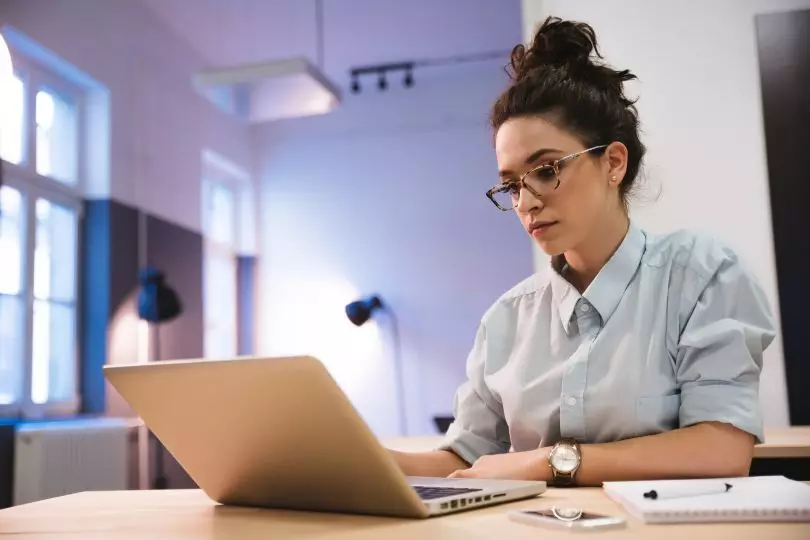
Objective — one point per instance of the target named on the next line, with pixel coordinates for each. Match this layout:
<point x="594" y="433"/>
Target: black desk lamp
<point x="359" y="312"/>
<point x="157" y="303"/>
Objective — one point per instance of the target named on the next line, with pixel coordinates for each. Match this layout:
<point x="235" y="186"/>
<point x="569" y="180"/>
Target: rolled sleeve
<point x="719" y="358"/>
<point x="479" y="427"/>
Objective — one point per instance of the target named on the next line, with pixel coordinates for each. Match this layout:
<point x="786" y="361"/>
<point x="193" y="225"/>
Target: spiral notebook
<point x="763" y="498"/>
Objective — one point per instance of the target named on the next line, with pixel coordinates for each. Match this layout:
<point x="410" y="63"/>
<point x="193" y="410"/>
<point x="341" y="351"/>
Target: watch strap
<point x="562" y="479"/>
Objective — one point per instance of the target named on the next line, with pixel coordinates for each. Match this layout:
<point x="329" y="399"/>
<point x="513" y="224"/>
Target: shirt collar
<point x="562" y="292"/>
<point x="608" y="287"/>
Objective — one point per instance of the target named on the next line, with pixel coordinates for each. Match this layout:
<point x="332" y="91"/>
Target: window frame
<point x="33" y="186"/>
<point x="218" y="171"/>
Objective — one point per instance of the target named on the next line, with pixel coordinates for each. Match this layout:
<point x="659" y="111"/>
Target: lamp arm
<point x="398" y="370"/>
<point x="160" y="481"/>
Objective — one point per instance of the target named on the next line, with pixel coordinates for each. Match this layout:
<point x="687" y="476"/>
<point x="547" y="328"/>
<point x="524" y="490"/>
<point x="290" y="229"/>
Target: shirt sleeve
<point x="719" y="358"/>
<point x="479" y="427"/>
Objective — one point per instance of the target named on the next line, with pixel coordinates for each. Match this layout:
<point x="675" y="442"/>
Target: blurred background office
<point x="276" y="160"/>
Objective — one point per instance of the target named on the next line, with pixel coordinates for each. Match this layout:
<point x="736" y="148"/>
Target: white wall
<point x="159" y="125"/>
<point x="700" y="106"/>
<point x="387" y="195"/>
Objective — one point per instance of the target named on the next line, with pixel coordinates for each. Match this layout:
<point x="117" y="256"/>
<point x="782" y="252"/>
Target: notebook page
<point x="765" y="498"/>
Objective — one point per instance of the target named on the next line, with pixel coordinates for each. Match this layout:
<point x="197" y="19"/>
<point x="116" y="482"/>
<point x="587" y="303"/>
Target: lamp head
<point x="360" y="311"/>
<point x="157" y="301"/>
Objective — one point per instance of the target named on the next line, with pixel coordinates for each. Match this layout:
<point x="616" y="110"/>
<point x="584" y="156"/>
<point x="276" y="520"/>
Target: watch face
<point x="567" y="514"/>
<point x="565" y="459"/>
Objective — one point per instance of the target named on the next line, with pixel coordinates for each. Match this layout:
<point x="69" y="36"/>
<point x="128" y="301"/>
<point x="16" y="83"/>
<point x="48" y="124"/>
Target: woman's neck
<point x="587" y="259"/>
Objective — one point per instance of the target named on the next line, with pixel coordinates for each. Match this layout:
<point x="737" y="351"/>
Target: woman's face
<point x="588" y="193"/>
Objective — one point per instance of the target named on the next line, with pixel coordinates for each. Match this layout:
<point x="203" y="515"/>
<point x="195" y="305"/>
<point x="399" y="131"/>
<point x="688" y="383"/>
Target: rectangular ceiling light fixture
<point x="267" y="91"/>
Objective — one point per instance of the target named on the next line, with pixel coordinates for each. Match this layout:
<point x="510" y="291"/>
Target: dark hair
<point x="556" y="77"/>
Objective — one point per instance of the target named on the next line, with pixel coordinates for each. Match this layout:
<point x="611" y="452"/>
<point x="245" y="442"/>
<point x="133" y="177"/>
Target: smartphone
<point x="567" y="518"/>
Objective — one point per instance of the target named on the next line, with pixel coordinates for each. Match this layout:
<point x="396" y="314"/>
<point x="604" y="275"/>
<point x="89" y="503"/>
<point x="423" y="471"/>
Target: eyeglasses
<point x="539" y="181"/>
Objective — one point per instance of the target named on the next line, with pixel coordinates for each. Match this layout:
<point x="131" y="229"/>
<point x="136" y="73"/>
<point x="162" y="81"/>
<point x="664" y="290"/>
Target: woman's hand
<point x="529" y="465"/>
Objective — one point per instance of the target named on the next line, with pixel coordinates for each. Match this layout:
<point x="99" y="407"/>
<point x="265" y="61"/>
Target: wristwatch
<point x="564" y="459"/>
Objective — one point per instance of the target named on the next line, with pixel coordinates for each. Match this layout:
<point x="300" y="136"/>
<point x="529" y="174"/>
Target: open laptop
<point x="279" y="433"/>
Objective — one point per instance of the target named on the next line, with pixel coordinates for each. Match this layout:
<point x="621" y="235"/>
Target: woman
<point x="635" y="356"/>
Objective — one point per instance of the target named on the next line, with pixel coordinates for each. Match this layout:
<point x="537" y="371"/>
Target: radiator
<point x="60" y="458"/>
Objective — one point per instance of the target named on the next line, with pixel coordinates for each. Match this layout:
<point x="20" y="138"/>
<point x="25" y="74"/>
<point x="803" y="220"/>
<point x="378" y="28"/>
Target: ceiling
<point x="355" y="32"/>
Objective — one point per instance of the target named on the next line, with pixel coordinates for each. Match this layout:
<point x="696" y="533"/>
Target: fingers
<point x="461" y="473"/>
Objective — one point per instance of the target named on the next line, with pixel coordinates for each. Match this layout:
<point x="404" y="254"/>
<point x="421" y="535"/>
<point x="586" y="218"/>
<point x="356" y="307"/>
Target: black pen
<point x="687" y="489"/>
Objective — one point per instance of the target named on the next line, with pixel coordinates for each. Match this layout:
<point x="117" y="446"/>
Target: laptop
<point x="279" y="433"/>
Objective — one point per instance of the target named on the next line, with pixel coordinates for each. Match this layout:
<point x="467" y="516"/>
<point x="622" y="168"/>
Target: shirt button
<point x="571" y="401"/>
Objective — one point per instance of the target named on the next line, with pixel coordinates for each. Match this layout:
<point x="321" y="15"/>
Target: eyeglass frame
<point x="522" y="180"/>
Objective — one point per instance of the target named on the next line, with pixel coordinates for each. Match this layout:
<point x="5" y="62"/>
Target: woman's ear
<point x="616" y="156"/>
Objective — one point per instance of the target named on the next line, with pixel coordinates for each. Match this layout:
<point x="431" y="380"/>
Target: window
<point x="12" y="123"/>
<point x="39" y="227"/>
<point x="56" y="137"/>
<point x="219" y="271"/>
<point x="53" y="374"/>
<point x="226" y="188"/>
<point x="11" y="298"/>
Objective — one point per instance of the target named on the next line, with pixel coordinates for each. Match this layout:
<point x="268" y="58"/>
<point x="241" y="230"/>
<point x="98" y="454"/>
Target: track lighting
<point x="382" y="71"/>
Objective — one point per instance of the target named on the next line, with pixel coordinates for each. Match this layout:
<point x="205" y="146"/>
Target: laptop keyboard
<point x="431" y="492"/>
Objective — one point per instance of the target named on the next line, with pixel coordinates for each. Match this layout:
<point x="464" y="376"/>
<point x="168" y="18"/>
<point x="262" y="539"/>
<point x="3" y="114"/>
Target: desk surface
<point x="181" y="515"/>
<point x="786" y="442"/>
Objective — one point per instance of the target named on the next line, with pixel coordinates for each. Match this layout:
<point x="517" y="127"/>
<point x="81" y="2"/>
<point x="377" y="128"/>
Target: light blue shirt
<point x="669" y="334"/>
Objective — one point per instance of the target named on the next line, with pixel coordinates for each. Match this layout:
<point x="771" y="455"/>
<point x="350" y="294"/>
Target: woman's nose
<point x="528" y="201"/>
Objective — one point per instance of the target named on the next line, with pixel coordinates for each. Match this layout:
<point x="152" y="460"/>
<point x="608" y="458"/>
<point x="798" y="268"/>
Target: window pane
<point x="220" y="343"/>
<point x="12" y="118"/>
<point x="11" y="240"/>
<point x="220" y="305"/>
<point x="53" y="371"/>
<point x="223" y="215"/>
<point x="55" y="252"/>
<point x="11" y="352"/>
<point x="56" y="137"/>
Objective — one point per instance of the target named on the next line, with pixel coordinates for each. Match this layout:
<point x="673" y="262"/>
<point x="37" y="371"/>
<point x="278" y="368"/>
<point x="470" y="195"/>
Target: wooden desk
<point x="783" y="443"/>
<point x="780" y="443"/>
<point x="190" y="515"/>
<point x="419" y="443"/>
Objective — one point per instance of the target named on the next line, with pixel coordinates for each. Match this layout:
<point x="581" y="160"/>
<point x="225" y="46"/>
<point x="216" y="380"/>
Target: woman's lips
<point x="539" y="228"/>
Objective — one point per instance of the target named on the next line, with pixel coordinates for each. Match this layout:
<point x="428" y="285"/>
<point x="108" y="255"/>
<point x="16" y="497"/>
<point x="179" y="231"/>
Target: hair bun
<point x="556" y="43"/>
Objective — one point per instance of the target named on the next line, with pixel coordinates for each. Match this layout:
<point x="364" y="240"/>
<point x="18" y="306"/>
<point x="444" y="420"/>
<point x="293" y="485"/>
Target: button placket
<point x="572" y="410"/>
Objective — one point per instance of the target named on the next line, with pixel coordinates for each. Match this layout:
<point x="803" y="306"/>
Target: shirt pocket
<point x="656" y="414"/>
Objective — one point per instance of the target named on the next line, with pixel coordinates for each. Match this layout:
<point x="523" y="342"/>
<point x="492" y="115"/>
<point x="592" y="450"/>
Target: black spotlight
<point x="408" y="80"/>
<point x="355" y="86"/>
<point x="360" y="311"/>
<point x="382" y="84"/>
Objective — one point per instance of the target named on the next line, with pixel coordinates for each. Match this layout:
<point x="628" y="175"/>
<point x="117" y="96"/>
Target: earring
<point x="613" y="178"/>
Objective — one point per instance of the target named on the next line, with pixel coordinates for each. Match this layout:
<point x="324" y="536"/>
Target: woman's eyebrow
<point x="534" y="156"/>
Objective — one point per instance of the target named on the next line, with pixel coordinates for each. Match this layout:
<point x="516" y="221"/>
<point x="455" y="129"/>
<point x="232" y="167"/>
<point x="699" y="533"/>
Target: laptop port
<point x="487" y="497"/>
<point x="463" y="502"/>
<point x="453" y="504"/>
<point x="445" y="506"/>
<point x="478" y="499"/>
<point x="499" y="495"/>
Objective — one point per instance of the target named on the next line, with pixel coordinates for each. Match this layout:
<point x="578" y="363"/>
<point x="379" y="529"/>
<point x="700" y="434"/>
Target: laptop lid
<point x="269" y="432"/>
